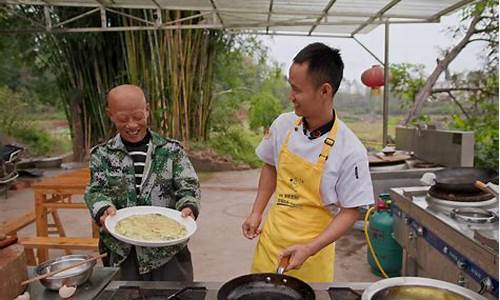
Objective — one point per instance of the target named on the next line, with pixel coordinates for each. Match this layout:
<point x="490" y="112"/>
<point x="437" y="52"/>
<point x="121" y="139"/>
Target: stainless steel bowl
<point x="74" y="276"/>
<point x="417" y="288"/>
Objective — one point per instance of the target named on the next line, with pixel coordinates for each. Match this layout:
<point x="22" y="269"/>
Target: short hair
<point x="324" y="64"/>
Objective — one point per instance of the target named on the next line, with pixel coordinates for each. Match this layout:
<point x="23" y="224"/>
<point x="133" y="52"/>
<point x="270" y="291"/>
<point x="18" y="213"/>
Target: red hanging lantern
<point x="374" y="79"/>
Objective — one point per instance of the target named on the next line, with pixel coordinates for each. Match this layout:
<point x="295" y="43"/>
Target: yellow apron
<point x="298" y="215"/>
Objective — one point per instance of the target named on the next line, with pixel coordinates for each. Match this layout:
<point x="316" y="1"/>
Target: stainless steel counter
<point x="437" y="246"/>
<point x="89" y="290"/>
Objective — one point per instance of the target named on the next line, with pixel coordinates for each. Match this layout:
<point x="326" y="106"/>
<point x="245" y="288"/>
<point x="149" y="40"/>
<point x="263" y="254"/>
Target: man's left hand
<point x="187" y="212"/>
<point x="298" y="255"/>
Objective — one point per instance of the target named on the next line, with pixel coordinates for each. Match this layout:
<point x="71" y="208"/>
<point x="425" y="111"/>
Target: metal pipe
<point x="385" y="120"/>
<point x="76" y="17"/>
<point x="104" y="21"/>
<point x="367" y="50"/>
<point x="379" y="14"/>
<point x="269" y="15"/>
<point x="323" y="15"/>
<point x="48" y="20"/>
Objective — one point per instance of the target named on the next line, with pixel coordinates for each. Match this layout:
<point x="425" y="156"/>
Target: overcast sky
<point x="410" y="43"/>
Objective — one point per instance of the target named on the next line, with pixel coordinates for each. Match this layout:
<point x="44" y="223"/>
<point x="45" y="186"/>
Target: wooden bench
<point x="65" y="243"/>
<point x="12" y="226"/>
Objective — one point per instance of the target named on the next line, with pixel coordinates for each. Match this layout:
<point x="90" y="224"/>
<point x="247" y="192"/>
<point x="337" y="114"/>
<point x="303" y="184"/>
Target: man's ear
<point x="327" y="90"/>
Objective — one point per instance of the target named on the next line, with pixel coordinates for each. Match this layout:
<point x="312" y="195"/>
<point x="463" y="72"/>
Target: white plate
<point x="143" y="210"/>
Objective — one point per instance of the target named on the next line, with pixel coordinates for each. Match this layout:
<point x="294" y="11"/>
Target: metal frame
<point x="216" y="17"/>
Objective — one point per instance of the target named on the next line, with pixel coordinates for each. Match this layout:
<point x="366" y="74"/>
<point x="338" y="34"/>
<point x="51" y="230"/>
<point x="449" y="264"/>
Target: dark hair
<point x="324" y="64"/>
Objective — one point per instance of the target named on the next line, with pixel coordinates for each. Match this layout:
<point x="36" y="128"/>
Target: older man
<point x="139" y="167"/>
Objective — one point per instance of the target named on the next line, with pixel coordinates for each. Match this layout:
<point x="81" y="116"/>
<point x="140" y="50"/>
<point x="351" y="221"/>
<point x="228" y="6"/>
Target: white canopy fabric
<point x="336" y="18"/>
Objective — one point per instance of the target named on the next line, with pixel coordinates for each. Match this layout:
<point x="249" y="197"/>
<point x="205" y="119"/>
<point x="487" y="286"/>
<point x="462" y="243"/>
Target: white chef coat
<point x="346" y="180"/>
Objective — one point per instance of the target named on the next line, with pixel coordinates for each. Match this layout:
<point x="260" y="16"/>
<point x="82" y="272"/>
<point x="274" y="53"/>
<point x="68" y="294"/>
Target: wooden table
<point x="55" y="193"/>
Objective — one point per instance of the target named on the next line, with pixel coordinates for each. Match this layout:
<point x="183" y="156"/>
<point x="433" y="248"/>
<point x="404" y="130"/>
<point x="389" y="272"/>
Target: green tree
<point x="247" y="93"/>
<point x="175" y="67"/>
<point x="406" y="82"/>
<point x="23" y="68"/>
<point x="478" y="102"/>
<point x="473" y="94"/>
<point x="241" y="73"/>
<point x="264" y="108"/>
<point x="480" y="24"/>
<point x="15" y="123"/>
<point x="472" y="100"/>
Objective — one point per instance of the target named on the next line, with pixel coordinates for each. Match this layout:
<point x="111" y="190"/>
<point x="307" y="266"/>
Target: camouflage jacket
<point x="169" y="180"/>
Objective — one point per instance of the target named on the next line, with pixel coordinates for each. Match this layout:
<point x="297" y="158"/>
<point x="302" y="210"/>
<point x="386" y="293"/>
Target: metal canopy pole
<point x="385" y="120"/>
<point x="368" y="50"/>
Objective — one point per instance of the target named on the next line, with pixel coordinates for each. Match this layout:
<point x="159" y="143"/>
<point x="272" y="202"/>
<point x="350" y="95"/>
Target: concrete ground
<point x="219" y="250"/>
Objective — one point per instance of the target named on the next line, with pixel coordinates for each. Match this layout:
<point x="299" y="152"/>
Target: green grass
<point x="237" y="142"/>
<point x="369" y="128"/>
<point x="350" y="118"/>
<point x="63" y="143"/>
<point x="40" y="141"/>
<point x="47" y="116"/>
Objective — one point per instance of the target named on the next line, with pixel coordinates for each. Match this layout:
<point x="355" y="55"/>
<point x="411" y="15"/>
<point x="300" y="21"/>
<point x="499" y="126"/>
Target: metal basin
<point x="72" y="277"/>
<point x="417" y="288"/>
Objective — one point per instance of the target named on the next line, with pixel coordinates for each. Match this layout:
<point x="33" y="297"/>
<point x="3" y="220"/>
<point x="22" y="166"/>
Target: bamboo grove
<point x="174" y="67"/>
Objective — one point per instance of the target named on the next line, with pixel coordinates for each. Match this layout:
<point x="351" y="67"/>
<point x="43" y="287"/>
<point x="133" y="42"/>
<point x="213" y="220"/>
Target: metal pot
<point x="74" y="276"/>
<point x="417" y="288"/>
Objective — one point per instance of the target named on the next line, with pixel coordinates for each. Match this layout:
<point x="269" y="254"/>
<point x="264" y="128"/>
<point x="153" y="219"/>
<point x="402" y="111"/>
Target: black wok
<point x="266" y="286"/>
<point x="462" y="179"/>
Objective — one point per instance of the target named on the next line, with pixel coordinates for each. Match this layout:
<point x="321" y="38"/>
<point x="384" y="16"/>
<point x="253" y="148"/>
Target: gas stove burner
<point x="459" y="197"/>
<point x="473" y="215"/>
<point x="138" y="293"/>
<point x="164" y="290"/>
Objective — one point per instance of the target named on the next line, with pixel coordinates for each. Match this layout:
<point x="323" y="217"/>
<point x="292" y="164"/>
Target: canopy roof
<point x="341" y="18"/>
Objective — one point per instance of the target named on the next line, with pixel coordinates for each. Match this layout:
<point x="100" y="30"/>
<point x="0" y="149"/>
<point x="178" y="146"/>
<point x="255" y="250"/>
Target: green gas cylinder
<point x="380" y="232"/>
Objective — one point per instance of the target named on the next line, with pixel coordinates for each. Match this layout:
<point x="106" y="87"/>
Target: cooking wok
<point x="266" y="286"/>
<point x="462" y="179"/>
